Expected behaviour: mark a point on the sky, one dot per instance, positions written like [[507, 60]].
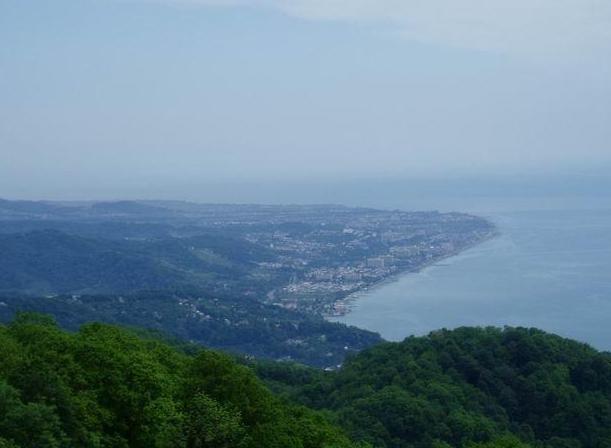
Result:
[[160, 98]]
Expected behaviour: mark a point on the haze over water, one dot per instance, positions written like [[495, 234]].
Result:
[[548, 269]]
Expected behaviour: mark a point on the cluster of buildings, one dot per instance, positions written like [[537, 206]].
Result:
[[324, 254]]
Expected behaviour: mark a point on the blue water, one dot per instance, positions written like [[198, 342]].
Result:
[[548, 269]]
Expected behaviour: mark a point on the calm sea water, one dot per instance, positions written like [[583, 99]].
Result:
[[549, 269]]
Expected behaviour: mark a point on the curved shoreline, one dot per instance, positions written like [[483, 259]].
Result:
[[348, 302]]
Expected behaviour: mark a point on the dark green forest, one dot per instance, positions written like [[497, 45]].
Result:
[[105, 386], [464, 388], [239, 326]]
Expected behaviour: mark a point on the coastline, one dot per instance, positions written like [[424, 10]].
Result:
[[346, 303]]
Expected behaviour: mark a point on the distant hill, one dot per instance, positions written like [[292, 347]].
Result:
[[31, 208], [466, 388], [53, 262], [128, 208], [47, 262]]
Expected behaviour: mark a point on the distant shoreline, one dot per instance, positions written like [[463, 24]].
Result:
[[350, 300]]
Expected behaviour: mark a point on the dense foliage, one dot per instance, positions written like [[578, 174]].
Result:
[[237, 325], [106, 387], [482, 388], [470, 388]]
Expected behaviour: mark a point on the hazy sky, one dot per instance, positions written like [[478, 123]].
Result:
[[99, 97]]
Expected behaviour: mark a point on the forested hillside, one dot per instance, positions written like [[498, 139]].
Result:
[[464, 388], [106, 387], [236, 325], [54, 262]]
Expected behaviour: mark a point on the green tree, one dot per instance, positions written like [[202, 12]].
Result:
[[211, 425]]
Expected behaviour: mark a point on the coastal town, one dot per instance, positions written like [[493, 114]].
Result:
[[339, 254], [257, 279], [307, 258]]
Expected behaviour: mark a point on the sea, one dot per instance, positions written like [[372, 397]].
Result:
[[550, 268]]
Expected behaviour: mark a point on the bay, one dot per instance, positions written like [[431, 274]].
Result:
[[549, 269]]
